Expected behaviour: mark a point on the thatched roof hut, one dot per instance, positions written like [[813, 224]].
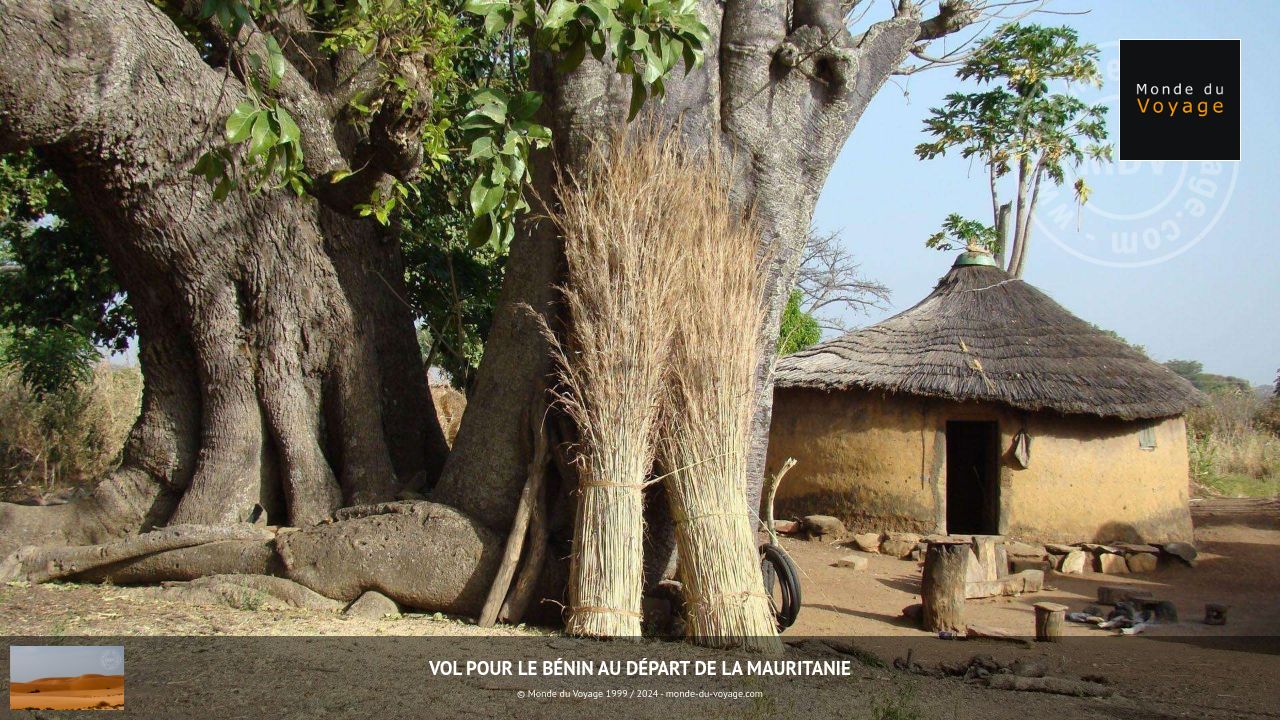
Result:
[[984, 336], [968, 378]]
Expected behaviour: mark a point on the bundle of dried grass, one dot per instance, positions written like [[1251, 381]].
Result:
[[718, 314], [614, 218]]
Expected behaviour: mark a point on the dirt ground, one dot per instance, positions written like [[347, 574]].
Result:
[[1180, 670]]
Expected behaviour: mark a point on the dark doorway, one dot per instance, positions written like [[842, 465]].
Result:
[[973, 478]]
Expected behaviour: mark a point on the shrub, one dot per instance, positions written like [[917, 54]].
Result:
[[1233, 444], [68, 438]]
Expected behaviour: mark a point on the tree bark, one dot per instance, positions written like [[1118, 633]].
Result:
[[942, 589], [778, 94], [280, 365]]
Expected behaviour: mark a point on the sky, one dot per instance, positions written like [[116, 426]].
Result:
[[1204, 289], [32, 662]]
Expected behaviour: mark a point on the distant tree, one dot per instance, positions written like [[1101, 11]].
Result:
[[798, 329], [1194, 373], [1187, 369], [59, 299], [1019, 127], [831, 283]]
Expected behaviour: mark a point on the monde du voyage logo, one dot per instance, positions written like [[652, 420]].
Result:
[[1180, 100], [1178, 106]]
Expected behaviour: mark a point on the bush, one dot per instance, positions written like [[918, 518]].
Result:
[[66, 439], [1234, 446]]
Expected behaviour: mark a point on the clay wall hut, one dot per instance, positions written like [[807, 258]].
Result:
[[985, 409]]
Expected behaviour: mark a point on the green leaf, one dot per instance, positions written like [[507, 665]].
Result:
[[340, 175], [482, 148], [262, 138], [526, 104], [573, 57], [240, 121], [275, 62], [560, 12], [484, 196], [637, 97], [480, 230], [289, 132]]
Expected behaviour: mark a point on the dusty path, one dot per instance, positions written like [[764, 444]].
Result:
[[351, 666]]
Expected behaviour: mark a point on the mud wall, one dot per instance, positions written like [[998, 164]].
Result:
[[879, 462]]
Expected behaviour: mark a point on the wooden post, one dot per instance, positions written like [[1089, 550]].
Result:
[[942, 589], [520, 526], [1049, 619]]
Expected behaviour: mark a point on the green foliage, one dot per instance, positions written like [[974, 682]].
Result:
[[58, 295], [1021, 119], [1233, 441], [797, 329], [1194, 373], [1018, 123], [959, 232], [645, 39]]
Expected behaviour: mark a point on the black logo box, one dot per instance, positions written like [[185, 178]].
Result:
[[1180, 66]]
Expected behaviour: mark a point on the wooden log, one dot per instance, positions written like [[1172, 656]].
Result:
[[1112, 594], [530, 572], [520, 526], [1049, 621], [943, 587]]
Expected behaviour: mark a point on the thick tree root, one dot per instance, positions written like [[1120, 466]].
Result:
[[43, 563], [420, 554], [249, 592]]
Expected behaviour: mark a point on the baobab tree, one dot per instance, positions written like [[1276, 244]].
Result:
[[282, 375]]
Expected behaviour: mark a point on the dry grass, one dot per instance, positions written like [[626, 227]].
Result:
[[718, 311], [1233, 444], [450, 404], [614, 218], [66, 440]]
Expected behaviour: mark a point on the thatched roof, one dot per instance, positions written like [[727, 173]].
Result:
[[983, 335]]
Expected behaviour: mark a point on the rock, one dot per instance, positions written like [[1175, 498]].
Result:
[[1164, 611], [1023, 667], [1128, 548], [1186, 552], [897, 548], [1095, 548], [1016, 548], [1142, 562], [1032, 580], [867, 542], [372, 605], [1057, 549], [983, 589], [821, 526], [1073, 563], [786, 527], [908, 537], [1018, 564], [913, 612], [853, 562], [1110, 564], [1112, 594]]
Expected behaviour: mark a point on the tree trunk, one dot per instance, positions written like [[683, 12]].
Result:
[[280, 366], [779, 94], [942, 589]]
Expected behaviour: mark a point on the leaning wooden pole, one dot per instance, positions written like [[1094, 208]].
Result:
[[942, 589], [525, 510]]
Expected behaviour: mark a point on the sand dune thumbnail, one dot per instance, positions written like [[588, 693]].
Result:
[[82, 692]]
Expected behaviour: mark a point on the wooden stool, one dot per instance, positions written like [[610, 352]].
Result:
[[1215, 614], [942, 587], [1049, 619]]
